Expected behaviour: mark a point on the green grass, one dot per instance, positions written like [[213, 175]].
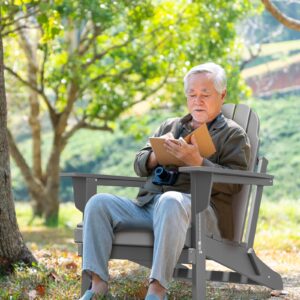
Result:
[[280, 144], [69, 216], [279, 224]]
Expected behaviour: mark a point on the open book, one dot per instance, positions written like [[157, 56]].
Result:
[[204, 142]]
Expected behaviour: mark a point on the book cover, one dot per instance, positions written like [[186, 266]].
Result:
[[203, 139]]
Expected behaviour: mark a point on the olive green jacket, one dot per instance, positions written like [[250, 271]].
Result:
[[232, 152]]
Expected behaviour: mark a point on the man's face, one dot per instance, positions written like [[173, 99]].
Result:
[[204, 102]]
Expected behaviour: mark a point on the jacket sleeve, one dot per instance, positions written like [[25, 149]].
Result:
[[234, 154]]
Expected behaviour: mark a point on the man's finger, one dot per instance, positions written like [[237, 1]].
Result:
[[194, 141], [182, 141], [172, 142], [173, 146], [168, 135]]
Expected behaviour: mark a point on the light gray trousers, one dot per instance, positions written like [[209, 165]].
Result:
[[168, 215]]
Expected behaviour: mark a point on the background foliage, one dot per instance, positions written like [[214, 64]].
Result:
[[86, 64], [133, 49], [91, 152]]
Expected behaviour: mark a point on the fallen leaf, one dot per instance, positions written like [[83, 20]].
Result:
[[53, 275], [277, 293], [41, 290], [72, 266], [45, 253]]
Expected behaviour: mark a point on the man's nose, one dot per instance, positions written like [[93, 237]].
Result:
[[199, 99]]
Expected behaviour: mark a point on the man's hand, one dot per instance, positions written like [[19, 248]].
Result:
[[152, 161], [187, 153]]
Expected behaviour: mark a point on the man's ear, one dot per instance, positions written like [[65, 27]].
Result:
[[223, 95]]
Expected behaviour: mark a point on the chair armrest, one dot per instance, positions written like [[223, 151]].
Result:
[[231, 176], [85, 185], [202, 179]]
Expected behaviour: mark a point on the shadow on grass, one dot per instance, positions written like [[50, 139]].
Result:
[[47, 236]]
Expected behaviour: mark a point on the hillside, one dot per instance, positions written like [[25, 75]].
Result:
[[275, 69], [101, 152], [280, 136]]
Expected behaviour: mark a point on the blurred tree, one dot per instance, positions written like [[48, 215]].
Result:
[[12, 247], [281, 17], [84, 63]]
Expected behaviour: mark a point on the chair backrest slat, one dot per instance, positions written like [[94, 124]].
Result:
[[252, 131], [248, 120], [228, 110], [241, 115]]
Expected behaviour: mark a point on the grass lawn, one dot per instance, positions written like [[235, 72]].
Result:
[[58, 274]]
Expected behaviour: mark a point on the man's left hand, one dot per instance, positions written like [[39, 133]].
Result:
[[187, 153]]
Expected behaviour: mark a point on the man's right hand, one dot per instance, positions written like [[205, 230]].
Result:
[[152, 161]]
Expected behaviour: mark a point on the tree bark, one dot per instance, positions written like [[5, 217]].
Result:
[[30, 50], [52, 200], [281, 17], [12, 247]]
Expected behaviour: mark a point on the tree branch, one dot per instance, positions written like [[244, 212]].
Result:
[[16, 29], [10, 17], [83, 124], [60, 127], [153, 91], [96, 32], [93, 80], [281, 17], [42, 72], [45, 98], [17, 76], [25, 43], [98, 56], [252, 57], [22, 164], [103, 53]]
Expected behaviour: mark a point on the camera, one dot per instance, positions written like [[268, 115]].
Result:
[[164, 177]]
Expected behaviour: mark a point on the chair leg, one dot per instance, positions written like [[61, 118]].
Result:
[[199, 278], [85, 282], [199, 272]]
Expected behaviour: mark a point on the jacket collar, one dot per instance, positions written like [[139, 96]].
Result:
[[217, 123]]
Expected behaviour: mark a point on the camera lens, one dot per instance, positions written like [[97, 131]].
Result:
[[161, 173]]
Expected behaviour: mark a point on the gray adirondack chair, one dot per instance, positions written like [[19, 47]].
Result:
[[237, 255]]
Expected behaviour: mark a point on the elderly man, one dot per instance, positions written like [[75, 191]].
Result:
[[166, 209]]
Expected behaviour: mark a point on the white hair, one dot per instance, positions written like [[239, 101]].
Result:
[[218, 75]]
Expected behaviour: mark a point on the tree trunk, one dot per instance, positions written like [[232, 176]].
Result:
[[44, 194], [36, 188], [29, 45], [12, 246], [52, 202], [52, 208]]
